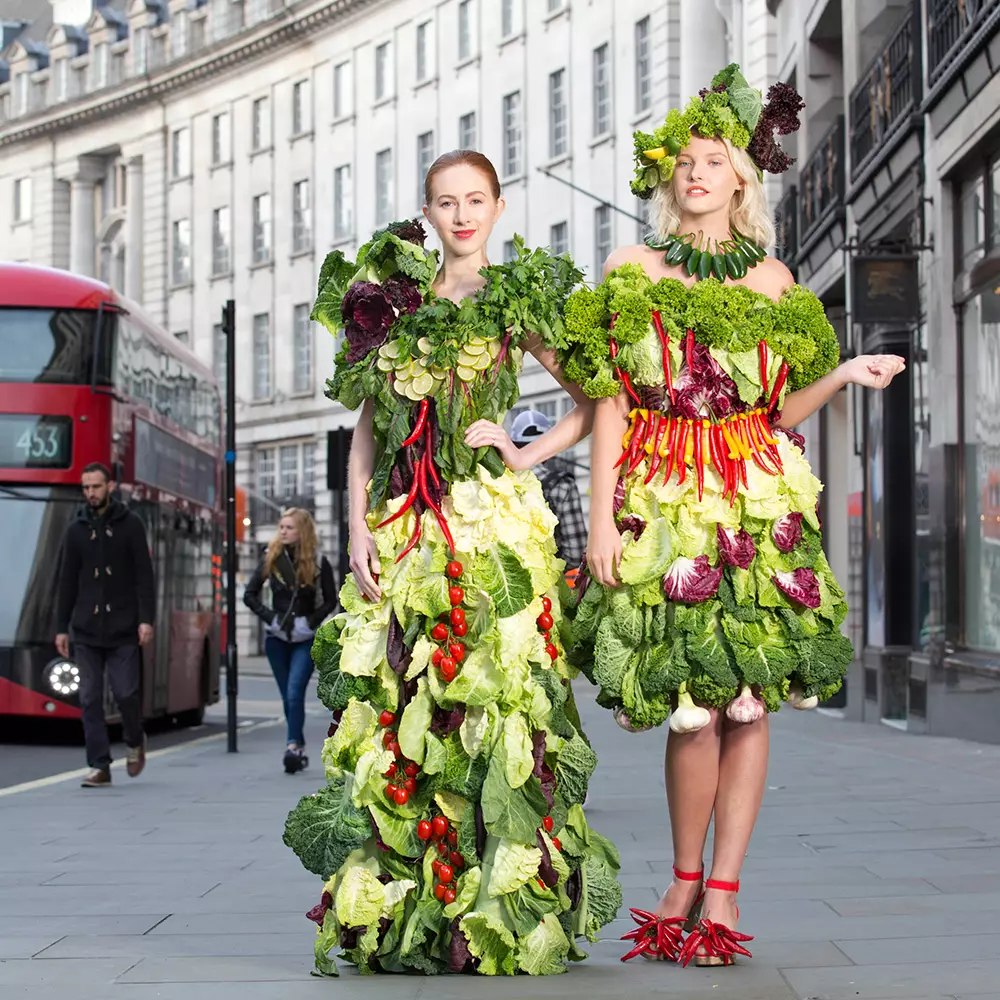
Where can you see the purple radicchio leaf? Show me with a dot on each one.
(574, 887)
(367, 315)
(819, 515)
(445, 721)
(407, 693)
(795, 437)
(396, 652)
(349, 937)
(705, 387)
(787, 531)
(546, 870)
(618, 500)
(541, 770)
(401, 477)
(460, 959)
(736, 549)
(318, 913)
(480, 831)
(652, 396)
(403, 293)
(410, 231)
(692, 580)
(633, 523)
(801, 586)
(378, 837)
(335, 725)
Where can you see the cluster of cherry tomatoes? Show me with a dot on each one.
(451, 629)
(403, 773)
(450, 861)
(545, 623)
(549, 823)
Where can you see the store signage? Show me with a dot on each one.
(885, 289)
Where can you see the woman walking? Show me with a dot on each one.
(303, 594)
(711, 600)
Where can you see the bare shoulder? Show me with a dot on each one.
(625, 255)
(774, 279)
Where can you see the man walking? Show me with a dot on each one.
(107, 597)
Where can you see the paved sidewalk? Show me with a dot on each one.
(874, 873)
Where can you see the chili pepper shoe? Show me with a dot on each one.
(717, 943)
(660, 939)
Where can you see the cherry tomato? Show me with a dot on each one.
(545, 621)
(442, 848)
(388, 738)
(390, 791)
(449, 896)
(410, 785)
(440, 826)
(456, 595)
(387, 718)
(546, 604)
(401, 797)
(457, 861)
(457, 616)
(552, 651)
(391, 773)
(460, 629)
(448, 669)
(457, 651)
(454, 569)
(436, 866)
(547, 636)
(394, 749)
(437, 656)
(424, 829)
(541, 883)
(557, 843)
(548, 823)
(445, 873)
(453, 838)
(412, 769)
(439, 891)
(439, 632)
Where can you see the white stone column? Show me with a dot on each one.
(133, 236)
(703, 46)
(83, 222)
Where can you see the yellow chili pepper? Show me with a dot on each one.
(666, 437)
(734, 452)
(765, 429)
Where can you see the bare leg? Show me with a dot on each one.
(742, 774)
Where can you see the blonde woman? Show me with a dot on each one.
(303, 594)
(710, 599)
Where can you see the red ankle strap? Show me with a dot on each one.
(714, 883)
(688, 876)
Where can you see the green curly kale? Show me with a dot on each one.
(774, 695)
(324, 828)
(706, 692)
(804, 337)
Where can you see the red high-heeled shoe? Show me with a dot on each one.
(661, 937)
(720, 942)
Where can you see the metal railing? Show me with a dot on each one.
(786, 225)
(821, 180)
(887, 92)
(950, 23)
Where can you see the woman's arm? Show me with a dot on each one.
(871, 371)
(328, 588)
(251, 597)
(604, 547)
(364, 556)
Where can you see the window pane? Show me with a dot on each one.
(425, 157)
(973, 211)
(602, 91)
(309, 469)
(179, 35)
(288, 468)
(507, 18)
(342, 90)
(554, 5)
(220, 240)
(558, 113)
(465, 29)
(219, 352)
(508, 251)
(512, 134)
(383, 187)
(261, 123)
(342, 202)
(643, 67)
(303, 334)
(301, 113)
(182, 252)
(301, 217)
(220, 139)
(382, 82)
(602, 236)
(467, 131)
(22, 199)
(261, 356)
(265, 472)
(995, 190)
(559, 238)
(262, 228)
(181, 153)
(423, 32)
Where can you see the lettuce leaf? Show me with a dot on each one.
(543, 951)
(513, 866)
(415, 724)
(491, 942)
(499, 572)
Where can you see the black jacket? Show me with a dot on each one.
(106, 587)
(290, 600)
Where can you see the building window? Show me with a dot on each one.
(309, 468)
(342, 202)
(22, 88)
(302, 333)
(558, 114)
(99, 63)
(512, 134)
(60, 80)
(181, 259)
(301, 217)
(341, 90)
(382, 71)
(140, 51)
(221, 139)
(507, 18)
(602, 90)
(265, 472)
(602, 236)
(117, 68)
(383, 187)
(180, 153)
(509, 253)
(179, 35)
(643, 67)
(262, 356)
(288, 471)
(220, 240)
(301, 112)
(262, 229)
(559, 238)
(22, 200)
(261, 123)
(219, 352)
(555, 5)
(157, 51)
(182, 336)
(642, 212)
(467, 131)
(424, 50)
(425, 157)
(465, 30)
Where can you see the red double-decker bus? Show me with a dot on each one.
(85, 377)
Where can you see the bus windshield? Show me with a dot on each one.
(55, 346)
(33, 521)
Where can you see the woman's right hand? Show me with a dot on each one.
(604, 552)
(364, 562)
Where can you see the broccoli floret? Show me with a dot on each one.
(706, 692)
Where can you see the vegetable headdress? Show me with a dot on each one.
(729, 109)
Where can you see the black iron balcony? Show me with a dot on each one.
(886, 95)
(786, 225)
(950, 26)
(821, 180)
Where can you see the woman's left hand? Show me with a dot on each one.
(486, 434)
(872, 371)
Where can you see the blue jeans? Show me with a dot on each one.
(292, 665)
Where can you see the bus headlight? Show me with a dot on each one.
(63, 677)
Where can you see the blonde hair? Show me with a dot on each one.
(305, 553)
(748, 213)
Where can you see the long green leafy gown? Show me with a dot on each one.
(450, 831)
(726, 595)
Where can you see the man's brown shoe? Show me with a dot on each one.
(135, 758)
(98, 778)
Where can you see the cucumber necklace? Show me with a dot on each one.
(730, 258)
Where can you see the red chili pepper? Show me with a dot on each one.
(622, 375)
(762, 351)
(690, 349)
(429, 500)
(671, 446)
(412, 542)
(668, 377)
(410, 497)
(713, 447)
(743, 471)
(779, 384)
(626, 454)
(656, 459)
(699, 456)
(682, 440)
(759, 462)
(429, 456)
(612, 343)
(421, 421)
(772, 449)
(639, 444)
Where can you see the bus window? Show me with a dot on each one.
(56, 346)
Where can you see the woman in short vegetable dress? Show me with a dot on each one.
(711, 600)
(451, 831)
(303, 595)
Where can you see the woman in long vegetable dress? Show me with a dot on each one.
(711, 600)
(450, 832)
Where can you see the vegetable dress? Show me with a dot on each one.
(450, 831)
(725, 590)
